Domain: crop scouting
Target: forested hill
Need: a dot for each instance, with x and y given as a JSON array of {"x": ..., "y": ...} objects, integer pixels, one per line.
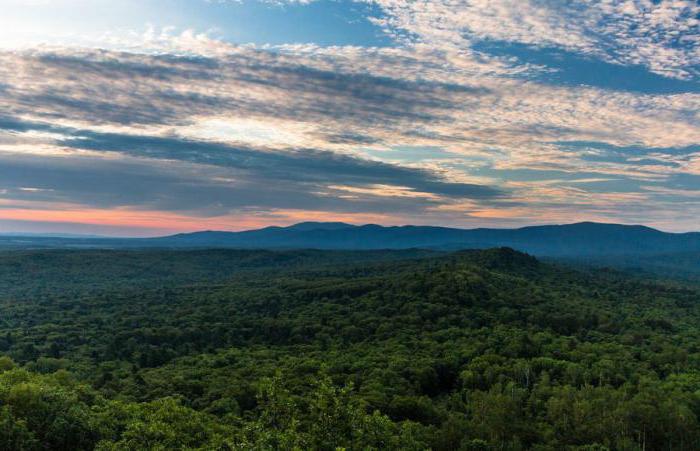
[{"x": 474, "y": 350}]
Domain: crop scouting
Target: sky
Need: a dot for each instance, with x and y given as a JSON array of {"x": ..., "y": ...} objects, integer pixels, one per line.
[{"x": 152, "y": 117}]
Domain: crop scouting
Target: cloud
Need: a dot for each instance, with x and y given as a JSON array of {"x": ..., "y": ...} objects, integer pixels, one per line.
[
  {"x": 660, "y": 35},
  {"x": 166, "y": 187},
  {"x": 133, "y": 89},
  {"x": 298, "y": 165},
  {"x": 382, "y": 95},
  {"x": 109, "y": 170}
]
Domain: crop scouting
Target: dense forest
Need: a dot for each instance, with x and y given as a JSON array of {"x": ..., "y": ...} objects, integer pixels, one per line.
[{"x": 410, "y": 350}]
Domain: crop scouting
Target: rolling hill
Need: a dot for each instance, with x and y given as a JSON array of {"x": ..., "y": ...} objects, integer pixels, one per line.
[{"x": 321, "y": 350}]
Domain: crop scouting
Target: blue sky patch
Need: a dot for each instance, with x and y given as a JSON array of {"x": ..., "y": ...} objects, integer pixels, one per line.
[{"x": 572, "y": 69}]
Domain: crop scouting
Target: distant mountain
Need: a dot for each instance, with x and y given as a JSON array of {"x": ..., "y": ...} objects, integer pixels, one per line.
[
  {"x": 305, "y": 226},
  {"x": 581, "y": 239}
]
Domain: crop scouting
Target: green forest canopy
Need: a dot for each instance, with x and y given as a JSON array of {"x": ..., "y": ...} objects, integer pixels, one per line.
[{"x": 226, "y": 349}]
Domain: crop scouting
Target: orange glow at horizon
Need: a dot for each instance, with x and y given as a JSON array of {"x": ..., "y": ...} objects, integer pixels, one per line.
[{"x": 169, "y": 222}]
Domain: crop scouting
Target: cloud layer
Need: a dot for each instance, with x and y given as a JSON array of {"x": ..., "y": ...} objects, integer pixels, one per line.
[
  {"x": 659, "y": 35},
  {"x": 470, "y": 119}
]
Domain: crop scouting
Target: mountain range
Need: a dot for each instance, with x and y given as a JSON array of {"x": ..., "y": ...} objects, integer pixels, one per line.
[
  {"x": 581, "y": 239},
  {"x": 585, "y": 239}
]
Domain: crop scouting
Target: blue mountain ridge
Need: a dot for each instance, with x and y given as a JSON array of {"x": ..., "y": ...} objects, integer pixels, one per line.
[{"x": 580, "y": 239}]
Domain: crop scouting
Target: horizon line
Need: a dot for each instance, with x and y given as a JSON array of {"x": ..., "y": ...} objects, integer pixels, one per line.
[{"x": 98, "y": 236}]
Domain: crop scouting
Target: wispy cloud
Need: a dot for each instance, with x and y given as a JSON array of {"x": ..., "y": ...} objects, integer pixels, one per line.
[{"x": 660, "y": 35}]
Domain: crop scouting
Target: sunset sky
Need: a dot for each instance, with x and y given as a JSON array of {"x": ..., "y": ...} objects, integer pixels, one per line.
[{"x": 150, "y": 117}]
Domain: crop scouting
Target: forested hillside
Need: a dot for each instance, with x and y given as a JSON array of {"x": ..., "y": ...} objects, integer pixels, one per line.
[{"x": 475, "y": 350}]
